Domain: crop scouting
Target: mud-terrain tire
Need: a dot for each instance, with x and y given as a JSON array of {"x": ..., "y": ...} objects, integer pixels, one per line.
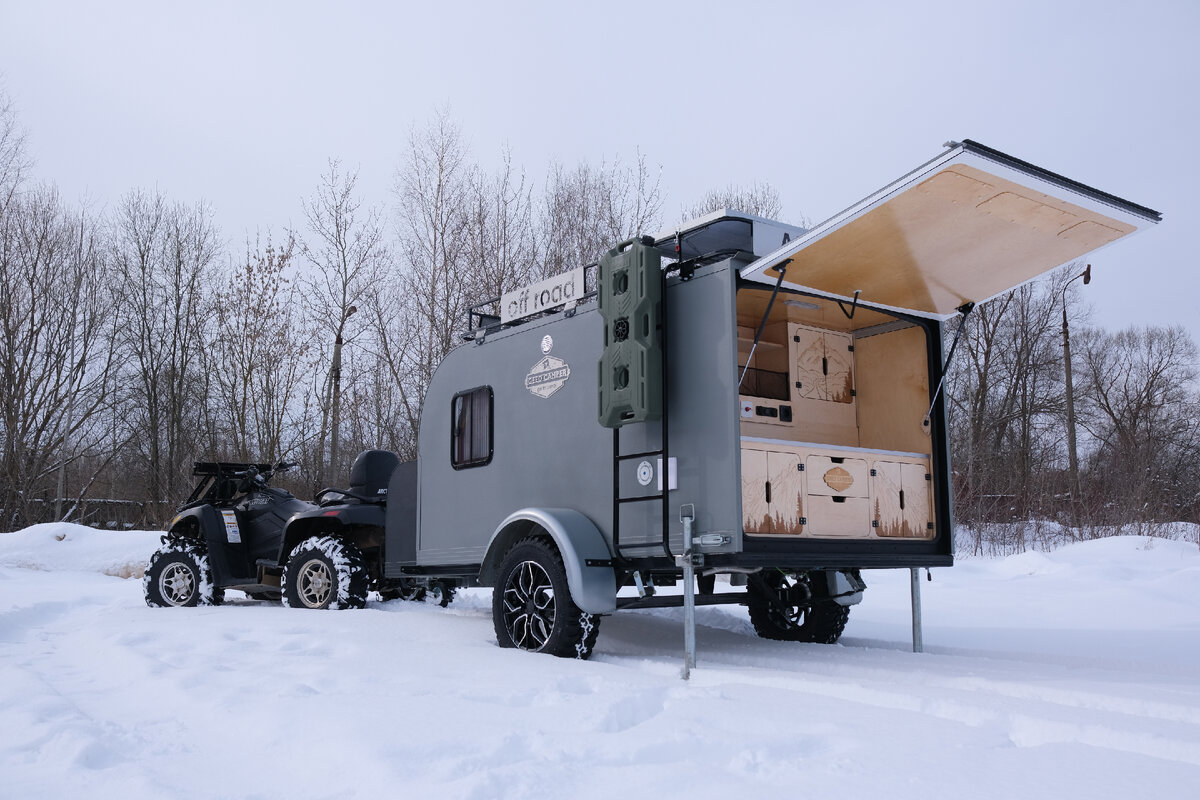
[
  {"x": 807, "y": 614},
  {"x": 325, "y": 572},
  {"x": 532, "y": 607},
  {"x": 179, "y": 575}
]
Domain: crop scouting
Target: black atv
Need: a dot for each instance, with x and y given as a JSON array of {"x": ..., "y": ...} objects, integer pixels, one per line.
[
  {"x": 236, "y": 532},
  {"x": 337, "y": 549},
  {"x": 227, "y": 535}
]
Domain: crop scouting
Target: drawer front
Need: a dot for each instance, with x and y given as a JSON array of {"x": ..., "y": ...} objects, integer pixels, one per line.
[
  {"x": 845, "y": 477},
  {"x": 848, "y": 517}
]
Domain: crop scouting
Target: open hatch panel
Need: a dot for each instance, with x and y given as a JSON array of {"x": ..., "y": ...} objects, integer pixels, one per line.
[{"x": 964, "y": 227}]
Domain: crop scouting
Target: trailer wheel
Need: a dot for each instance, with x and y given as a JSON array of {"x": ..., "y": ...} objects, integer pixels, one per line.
[
  {"x": 179, "y": 575},
  {"x": 793, "y": 607},
  {"x": 532, "y": 607},
  {"x": 325, "y": 572}
]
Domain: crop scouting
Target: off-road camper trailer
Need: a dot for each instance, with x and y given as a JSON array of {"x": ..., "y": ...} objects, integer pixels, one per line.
[
  {"x": 794, "y": 426},
  {"x": 737, "y": 397}
]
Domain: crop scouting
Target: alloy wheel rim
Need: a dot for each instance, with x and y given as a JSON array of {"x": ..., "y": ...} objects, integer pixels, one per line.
[
  {"x": 176, "y": 584},
  {"x": 529, "y": 609},
  {"x": 315, "y": 583}
]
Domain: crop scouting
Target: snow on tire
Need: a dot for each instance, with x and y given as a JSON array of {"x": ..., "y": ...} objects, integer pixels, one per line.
[
  {"x": 179, "y": 575},
  {"x": 532, "y": 608},
  {"x": 325, "y": 572}
]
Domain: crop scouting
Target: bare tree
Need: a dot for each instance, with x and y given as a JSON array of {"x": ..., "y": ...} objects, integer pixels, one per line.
[
  {"x": 256, "y": 358},
  {"x": 1006, "y": 403},
  {"x": 56, "y": 320},
  {"x": 14, "y": 159},
  {"x": 760, "y": 199},
  {"x": 423, "y": 305},
  {"x": 162, "y": 254},
  {"x": 587, "y": 210},
  {"x": 501, "y": 249},
  {"x": 1143, "y": 412},
  {"x": 345, "y": 245}
]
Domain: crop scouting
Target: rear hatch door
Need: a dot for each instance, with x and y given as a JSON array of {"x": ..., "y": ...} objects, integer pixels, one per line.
[{"x": 966, "y": 226}]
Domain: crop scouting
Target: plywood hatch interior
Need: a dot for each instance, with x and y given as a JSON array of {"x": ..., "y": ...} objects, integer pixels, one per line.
[{"x": 963, "y": 228}]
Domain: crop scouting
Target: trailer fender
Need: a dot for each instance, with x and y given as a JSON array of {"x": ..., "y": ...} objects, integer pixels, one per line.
[{"x": 584, "y": 552}]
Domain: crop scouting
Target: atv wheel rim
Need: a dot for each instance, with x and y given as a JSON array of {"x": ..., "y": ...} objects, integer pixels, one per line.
[
  {"x": 177, "y": 584},
  {"x": 315, "y": 583},
  {"x": 529, "y": 606}
]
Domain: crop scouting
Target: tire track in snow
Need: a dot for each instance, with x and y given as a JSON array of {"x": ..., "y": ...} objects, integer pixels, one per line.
[{"x": 1032, "y": 723}]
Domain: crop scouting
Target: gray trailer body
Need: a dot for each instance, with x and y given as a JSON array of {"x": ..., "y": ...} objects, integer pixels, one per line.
[{"x": 550, "y": 451}]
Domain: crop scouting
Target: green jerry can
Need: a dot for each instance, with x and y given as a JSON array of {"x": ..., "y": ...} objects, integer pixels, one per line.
[{"x": 630, "y": 294}]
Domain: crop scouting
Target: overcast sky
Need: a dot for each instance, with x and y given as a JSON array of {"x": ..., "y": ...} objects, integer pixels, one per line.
[{"x": 241, "y": 103}]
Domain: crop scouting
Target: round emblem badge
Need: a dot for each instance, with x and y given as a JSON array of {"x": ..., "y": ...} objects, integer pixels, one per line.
[
  {"x": 547, "y": 344},
  {"x": 645, "y": 473}
]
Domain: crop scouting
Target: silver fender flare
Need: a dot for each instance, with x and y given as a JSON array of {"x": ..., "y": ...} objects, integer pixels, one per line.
[{"x": 593, "y": 586}]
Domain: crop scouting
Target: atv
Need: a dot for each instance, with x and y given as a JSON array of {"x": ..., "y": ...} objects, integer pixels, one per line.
[
  {"x": 337, "y": 549},
  {"x": 237, "y": 532},
  {"x": 228, "y": 534}
]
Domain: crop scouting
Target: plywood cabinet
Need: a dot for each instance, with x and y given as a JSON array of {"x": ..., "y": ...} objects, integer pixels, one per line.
[
  {"x": 825, "y": 492},
  {"x": 772, "y": 492},
  {"x": 823, "y": 364},
  {"x": 901, "y": 493}
]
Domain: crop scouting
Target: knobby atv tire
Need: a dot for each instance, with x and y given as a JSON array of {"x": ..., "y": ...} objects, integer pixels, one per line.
[
  {"x": 801, "y": 611},
  {"x": 325, "y": 572},
  {"x": 532, "y": 607},
  {"x": 179, "y": 575}
]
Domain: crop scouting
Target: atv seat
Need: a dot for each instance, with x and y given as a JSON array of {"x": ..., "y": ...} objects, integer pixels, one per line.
[{"x": 369, "y": 478}]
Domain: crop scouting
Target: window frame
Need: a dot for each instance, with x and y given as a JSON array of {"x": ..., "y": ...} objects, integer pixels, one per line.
[{"x": 475, "y": 460}]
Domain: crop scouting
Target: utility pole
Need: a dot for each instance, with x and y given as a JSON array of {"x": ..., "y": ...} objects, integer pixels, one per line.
[
  {"x": 335, "y": 372},
  {"x": 1072, "y": 456}
]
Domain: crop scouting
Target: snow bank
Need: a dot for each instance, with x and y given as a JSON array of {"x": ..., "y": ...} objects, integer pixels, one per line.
[
  {"x": 993, "y": 539},
  {"x": 63, "y": 546}
]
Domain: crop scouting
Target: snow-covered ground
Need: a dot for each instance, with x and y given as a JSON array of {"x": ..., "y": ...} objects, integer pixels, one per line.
[{"x": 1071, "y": 674}]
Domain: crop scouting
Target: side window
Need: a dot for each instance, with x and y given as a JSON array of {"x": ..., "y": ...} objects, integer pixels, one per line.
[{"x": 471, "y": 428}]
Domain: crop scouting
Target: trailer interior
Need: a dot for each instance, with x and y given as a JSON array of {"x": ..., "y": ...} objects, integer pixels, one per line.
[
  {"x": 835, "y": 441},
  {"x": 836, "y": 374}
]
